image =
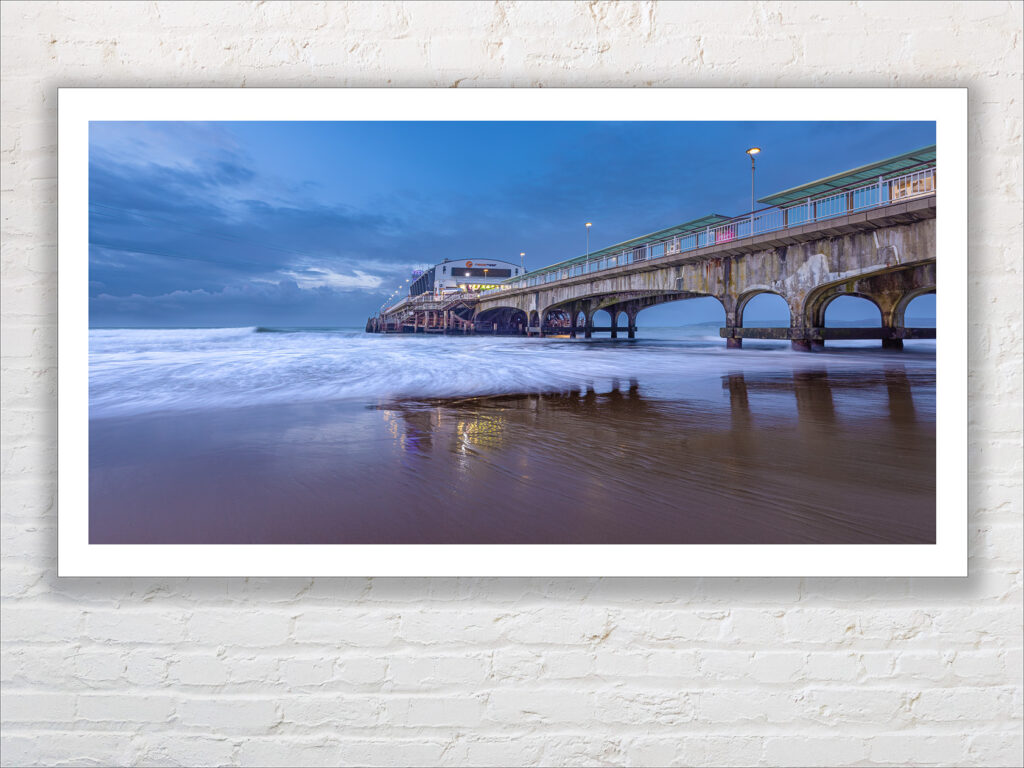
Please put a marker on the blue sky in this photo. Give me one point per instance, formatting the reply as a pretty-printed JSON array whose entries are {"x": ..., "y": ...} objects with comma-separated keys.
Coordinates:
[{"x": 316, "y": 223}]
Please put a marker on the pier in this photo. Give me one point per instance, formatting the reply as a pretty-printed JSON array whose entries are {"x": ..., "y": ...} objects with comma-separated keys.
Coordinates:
[
  {"x": 427, "y": 314},
  {"x": 868, "y": 232}
]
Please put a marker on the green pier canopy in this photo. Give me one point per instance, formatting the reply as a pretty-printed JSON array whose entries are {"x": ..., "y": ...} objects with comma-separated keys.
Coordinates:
[{"x": 893, "y": 166}]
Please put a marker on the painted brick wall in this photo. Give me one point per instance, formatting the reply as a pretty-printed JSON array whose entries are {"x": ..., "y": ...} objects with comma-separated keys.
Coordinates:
[{"x": 471, "y": 671}]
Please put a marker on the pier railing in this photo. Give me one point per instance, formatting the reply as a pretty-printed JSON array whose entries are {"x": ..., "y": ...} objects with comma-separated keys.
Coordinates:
[
  {"x": 429, "y": 301},
  {"x": 879, "y": 193}
]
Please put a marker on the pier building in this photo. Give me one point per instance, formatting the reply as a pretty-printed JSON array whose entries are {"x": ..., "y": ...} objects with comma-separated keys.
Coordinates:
[
  {"x": 441, "y": 299},
  {"x": 867, "y": 232}
]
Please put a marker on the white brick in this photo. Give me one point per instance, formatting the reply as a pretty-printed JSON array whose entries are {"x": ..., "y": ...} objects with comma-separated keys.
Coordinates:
[
  {"x": 335, "y": 710},
  {"x": 922, "y": 665},
  {"x": 100, "y": 666},
  {"x": 955, "y": 704},
  {"x": 27, "y": 706},
  {"x": 452, "y": 627},
  {"x": 205, "y": 669},
  {"x": 251, "y": 669},
  {"x": 646, "y": 706},
  {"x": 188, "y": 750},
  {"x": 408, "y": 671},
  {"x": 147, "y": 626},
  {"x": 815, "y": 750},
  {"x": 560, "y": 627},
  {"x": 34, "y": 665},
  {"x": 391, "y": 752},
  {"x": 655, "y": 751},
  {"x": 306, "y": 672},
  {"x": 147, "y": 667},
  {"x": 252, "y": 628},
  {"x": 557, "y": 665},
  {"x": 497, "y": 751},
  {"x": 777, "y": 666},
  {"x": 673, "y": 664},
  {"x": 741, "y": 705},
  {"x": 684, "y": 625},
  {"x": 362, "y": 628},
  {"x": 725, "y": 665},
  {"x": 122, "y": 708},
  {"x": 730, "y": 750},
  {"x": 361, "y": 670},
  {"x": 229, "y": 713},
  {"x": 532, "y": 705},
  {"x": 845, "y": 705},
  {"x": 68, "y": 748},
  {"x": 289, "y": 752},
  {"x": 753, "y": 628},
  {"x": 40, "y": 624},
  {"x": 16, "y": 580},
  {"x": 996, "y": 748},
  {"x": 452, "y": 711},
  {"x": 917, "y": 748}
]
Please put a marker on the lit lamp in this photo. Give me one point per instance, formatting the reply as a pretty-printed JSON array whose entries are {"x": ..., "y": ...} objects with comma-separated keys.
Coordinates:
[
  {"x": 588, "y": 225},
  {"x": 752, "y": 151},
  {"x": 522, "y": 262}
]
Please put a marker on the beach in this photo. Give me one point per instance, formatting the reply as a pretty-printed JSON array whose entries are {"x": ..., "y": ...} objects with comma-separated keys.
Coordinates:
[{"x": 329, "y": 436}]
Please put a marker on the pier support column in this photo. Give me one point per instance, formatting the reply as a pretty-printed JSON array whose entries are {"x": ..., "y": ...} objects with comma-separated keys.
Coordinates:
[
  {"x": 892, "y": 343},
  {"x": 802, "y": 337},
  {"x": 801, "y": 345},
  {"x": 808, "y": 345},
  {"x": 732, "y": 323}
]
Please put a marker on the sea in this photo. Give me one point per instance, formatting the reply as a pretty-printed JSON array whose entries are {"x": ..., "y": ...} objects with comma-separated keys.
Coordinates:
[{"x": 332, "y": 435}]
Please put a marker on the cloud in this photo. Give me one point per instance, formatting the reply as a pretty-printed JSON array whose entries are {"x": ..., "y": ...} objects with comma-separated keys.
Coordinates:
[
  {"x": 181, "y": 221},
  {"x": 319, "y": 277}
]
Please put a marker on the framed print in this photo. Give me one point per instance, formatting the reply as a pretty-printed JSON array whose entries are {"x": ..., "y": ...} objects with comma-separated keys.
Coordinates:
[{"x": 500, "y": 332}]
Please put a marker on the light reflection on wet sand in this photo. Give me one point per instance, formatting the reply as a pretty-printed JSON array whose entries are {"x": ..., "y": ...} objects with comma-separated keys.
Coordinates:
[{"x": 790, "y": 457}]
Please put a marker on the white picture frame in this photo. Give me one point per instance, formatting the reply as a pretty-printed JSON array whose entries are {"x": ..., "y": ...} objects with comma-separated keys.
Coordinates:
[{"x": 947, "y": 107}]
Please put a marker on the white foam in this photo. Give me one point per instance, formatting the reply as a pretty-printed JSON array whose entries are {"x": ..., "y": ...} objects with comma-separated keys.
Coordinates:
[{"x": 141, "y": 370}]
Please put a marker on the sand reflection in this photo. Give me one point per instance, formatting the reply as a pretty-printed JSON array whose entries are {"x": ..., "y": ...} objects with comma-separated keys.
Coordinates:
[{"x": 783, "y": 457}]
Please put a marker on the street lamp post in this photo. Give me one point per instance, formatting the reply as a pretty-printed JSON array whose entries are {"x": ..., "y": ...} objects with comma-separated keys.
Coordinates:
[
  {"x": 522, "y": 261},
  {"x": 588, "y": 225},
  {"x": 752, "y": 151}
]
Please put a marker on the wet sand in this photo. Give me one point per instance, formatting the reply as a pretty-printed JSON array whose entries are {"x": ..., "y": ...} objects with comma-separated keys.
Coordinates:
[{"x": 788, "y": 457}]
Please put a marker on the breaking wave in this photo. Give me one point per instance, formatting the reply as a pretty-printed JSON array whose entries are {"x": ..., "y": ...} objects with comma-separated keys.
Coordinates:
[{"x": 135, "y": 371}]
